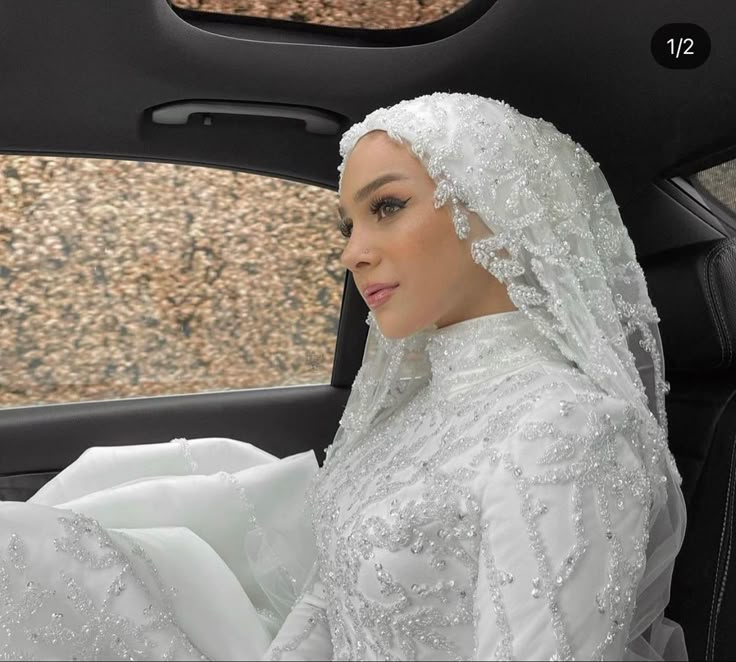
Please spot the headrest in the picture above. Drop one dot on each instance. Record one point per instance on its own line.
(693, 289)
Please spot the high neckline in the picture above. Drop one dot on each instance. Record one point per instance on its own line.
(481, 348)
(485, 322)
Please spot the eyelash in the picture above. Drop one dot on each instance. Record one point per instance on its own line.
(375, 206)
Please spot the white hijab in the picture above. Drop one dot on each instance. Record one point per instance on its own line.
(569, 265)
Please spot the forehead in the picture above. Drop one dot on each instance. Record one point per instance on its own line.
(376, 150)
(374, 161)
(374, 155)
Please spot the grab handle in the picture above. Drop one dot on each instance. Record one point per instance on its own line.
(316, 121)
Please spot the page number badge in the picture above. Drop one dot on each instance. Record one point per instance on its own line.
(680, 46)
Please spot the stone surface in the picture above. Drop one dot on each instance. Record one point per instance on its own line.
(124, 278)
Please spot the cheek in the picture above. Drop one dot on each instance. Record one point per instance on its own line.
(431, 261)
(417, 250)
(429, 249)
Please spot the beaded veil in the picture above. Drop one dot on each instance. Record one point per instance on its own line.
(536, 212)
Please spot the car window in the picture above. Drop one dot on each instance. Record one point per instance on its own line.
(124, 278)
(718, 185)
(339, 13)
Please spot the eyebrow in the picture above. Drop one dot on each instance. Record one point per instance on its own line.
(372, 186)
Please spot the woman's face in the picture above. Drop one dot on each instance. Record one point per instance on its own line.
(397, 236)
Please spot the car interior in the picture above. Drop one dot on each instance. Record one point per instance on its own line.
(147, 80)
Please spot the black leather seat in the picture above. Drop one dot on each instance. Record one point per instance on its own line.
(694, 291)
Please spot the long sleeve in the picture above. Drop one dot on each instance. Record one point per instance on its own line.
(305, 634)
(563, 535)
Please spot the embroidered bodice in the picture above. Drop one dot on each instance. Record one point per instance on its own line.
(502, 513)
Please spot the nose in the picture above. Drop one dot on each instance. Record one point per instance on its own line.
(353, 256)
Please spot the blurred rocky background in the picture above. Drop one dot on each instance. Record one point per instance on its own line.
(376, 14)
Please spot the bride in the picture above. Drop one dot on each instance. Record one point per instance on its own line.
(500, 485)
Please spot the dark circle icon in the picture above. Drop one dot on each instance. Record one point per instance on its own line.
(680, 46)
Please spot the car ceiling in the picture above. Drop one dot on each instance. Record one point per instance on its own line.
(83, 77)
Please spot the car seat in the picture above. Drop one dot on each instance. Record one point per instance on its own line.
(694, 290)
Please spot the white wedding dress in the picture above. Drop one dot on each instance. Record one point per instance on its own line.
(500, 514)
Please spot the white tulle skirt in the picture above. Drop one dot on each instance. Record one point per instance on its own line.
(177, 550)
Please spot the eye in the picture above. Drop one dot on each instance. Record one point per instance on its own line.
(383, 203)
(387, 202)
(345, 228)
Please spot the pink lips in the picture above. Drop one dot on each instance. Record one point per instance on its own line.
(380, 296)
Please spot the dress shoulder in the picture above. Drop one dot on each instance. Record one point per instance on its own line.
(541, 417)
(572, 423)
(564, 519)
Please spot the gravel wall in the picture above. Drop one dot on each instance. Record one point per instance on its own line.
(342, 13)
(130, 278)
